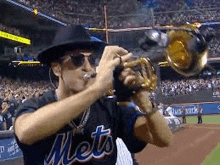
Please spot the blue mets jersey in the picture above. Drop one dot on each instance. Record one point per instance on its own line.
(96, 145)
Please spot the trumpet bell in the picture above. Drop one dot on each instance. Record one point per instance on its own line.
(187, 52)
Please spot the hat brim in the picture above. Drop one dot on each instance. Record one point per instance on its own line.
(53, 53)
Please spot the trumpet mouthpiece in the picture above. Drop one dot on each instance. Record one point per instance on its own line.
(88, 76)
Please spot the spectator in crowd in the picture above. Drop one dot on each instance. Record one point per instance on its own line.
(169, 111)
(161, 108)
(3, 125)
(1, 99)
(7, 116)
(12, 104)
(57, 114)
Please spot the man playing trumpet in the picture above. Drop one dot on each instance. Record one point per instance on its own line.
(76, 123)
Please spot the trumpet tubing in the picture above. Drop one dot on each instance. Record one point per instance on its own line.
(149, 81)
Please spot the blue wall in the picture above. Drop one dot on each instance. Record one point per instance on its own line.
(9, 149)
(8, 146)
(191, 109)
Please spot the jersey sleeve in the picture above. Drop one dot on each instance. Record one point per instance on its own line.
(26, 107)
(33, 104)
(127, 118)
(33, 154)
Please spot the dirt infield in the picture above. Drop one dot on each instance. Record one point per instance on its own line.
(190, 146)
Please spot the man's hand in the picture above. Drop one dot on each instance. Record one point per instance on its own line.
(111, 58)
(130, 79)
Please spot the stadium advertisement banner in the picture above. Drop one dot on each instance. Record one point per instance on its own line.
(192, 109)
(9, 149)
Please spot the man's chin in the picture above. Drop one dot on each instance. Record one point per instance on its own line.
(82, 86)
(89, 83)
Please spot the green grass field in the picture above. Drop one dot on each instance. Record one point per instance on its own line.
(209, 119)
(214, 157)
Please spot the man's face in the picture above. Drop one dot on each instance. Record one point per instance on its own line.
(5, 105)
(74, 66)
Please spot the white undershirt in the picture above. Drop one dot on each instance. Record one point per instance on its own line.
(123, 156)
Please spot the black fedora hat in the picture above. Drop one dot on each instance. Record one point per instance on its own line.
(69, 38)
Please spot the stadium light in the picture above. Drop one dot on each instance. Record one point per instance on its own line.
(35, 11)
(39, 13)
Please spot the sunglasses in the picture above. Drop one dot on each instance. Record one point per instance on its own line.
(79, 59)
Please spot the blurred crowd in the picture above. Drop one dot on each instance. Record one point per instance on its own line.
(21, 90)
(214, 47)
(13, 92)
(129, 13)
(188, 86)
(171, 12)
(10, 29)
(132, 13)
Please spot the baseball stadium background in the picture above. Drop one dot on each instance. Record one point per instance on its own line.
(27, 27)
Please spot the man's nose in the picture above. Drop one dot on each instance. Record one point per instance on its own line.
(87, 66)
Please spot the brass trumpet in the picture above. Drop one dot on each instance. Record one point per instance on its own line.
(146, 70)
(185, 50)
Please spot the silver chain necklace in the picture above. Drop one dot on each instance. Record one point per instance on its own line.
(79, 129)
